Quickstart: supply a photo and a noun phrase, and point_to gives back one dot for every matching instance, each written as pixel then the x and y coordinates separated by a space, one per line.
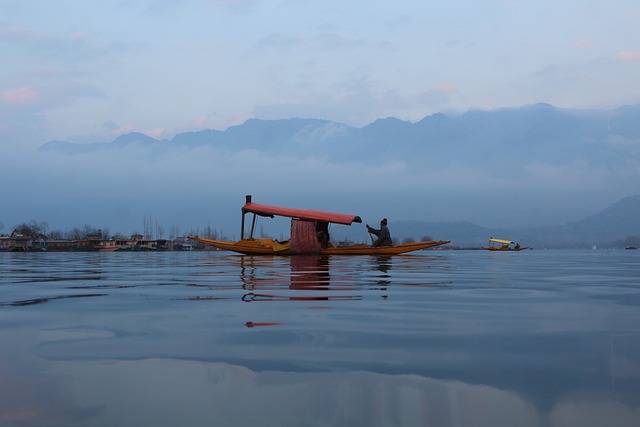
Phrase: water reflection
pixel 310 272
pixel 34 301
pixel 309 276
pixel 383 264
pixel 455 338
pixel 170 392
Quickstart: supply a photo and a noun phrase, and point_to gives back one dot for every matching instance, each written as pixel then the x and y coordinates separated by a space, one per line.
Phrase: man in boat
pixel 384 236
pixel 322 230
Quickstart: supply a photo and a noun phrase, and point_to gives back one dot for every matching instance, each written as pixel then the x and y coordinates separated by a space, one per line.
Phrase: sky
pixel 77 70
pixel 90 71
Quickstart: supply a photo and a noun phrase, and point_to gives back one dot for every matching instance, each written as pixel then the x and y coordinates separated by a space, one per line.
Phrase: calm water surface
pixel 440 338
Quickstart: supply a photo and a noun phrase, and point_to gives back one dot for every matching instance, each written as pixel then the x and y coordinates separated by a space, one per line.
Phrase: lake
pixel 436 338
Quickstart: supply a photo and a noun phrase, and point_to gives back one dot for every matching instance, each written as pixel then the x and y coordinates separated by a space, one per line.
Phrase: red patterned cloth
pixel 304 239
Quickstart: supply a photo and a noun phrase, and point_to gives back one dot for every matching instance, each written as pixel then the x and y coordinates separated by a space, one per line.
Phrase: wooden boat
pixel 273 247
pixel 309 235
pixel 503 245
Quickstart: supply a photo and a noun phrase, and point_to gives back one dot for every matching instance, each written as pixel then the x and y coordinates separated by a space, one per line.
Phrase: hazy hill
pixel 620 220
pixel 508 168
pixel 613 224
pixel 505 137
pixel 504 141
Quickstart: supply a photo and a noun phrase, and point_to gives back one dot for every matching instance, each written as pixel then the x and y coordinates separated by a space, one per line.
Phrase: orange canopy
pixel 307 214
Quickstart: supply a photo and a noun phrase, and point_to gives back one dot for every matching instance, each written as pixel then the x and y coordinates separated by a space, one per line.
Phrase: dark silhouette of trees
pixel 32 229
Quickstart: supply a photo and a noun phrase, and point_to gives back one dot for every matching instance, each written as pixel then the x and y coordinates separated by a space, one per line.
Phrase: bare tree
pixel 159 231
pixel 210 232
pixel 146 223
pixel 32 229
pixel 81 233
pixel 56 235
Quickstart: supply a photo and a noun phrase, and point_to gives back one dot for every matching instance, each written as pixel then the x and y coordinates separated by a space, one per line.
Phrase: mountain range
pixel 616 226
pixel 514 170
pixel 504 139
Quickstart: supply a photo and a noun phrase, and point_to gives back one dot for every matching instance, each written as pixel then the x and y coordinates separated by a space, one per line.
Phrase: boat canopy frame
pixel 293 213
pixel 504 242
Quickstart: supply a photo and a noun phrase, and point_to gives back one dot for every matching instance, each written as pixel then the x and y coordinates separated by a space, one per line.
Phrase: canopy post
pixel 242 227
pixel 247 199
pixel 253 225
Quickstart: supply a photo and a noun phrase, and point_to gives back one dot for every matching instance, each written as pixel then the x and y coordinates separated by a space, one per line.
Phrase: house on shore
pixel 15 242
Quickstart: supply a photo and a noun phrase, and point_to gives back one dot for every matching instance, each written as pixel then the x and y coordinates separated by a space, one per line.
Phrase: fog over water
pixel 186 187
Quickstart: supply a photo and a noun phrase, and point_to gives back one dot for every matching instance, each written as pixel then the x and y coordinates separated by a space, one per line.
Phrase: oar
pixel 370 234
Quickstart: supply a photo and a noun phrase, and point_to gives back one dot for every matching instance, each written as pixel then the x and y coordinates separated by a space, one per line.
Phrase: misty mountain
pixel 507 169
pixel 128 140
pixel 613 224
pixel 505 139
pixel 540 127
pixel 618 221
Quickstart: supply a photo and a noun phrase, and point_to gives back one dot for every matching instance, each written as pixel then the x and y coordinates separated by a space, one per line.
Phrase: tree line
pixel 151 231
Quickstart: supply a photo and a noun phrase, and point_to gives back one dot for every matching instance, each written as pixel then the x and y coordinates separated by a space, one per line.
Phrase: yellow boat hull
pixel 272 247
pixel 501 249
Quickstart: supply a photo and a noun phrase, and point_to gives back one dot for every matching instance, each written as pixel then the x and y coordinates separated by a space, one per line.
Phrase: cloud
pixel 323 41
pixel 110 126
pixel 436 96
pixel 75 44
pixel 14 32
pixel 123 129
pixel 583 44
pixel 24 110
pixel 578 175
pixel 231 2
pixel 154 133
pixel 357 103
pixel 46 73
pixel 628 56
pixel 20 96
pixel 277 41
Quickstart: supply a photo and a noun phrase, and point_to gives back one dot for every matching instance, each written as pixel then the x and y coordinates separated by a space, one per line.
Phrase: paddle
pixel 367 225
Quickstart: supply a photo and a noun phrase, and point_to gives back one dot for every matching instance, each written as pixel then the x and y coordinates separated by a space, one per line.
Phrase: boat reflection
pixel 307 273
pixel 383 264
pixel 310 272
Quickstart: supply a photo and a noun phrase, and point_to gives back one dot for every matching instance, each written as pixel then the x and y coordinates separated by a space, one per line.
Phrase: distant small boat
pixel 630 247
pixel 503 245
pixel 309 235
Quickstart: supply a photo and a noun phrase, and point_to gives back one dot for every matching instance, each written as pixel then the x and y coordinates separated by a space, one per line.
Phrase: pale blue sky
pixel 90 70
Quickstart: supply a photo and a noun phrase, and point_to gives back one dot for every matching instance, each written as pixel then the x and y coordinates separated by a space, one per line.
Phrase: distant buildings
pixel 16 242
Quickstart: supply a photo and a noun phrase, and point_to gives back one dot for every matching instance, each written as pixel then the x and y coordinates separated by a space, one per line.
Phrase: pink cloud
pixel 16 31
pixel 20 96
pixel 123 129
pixel 231 2
pixel 629 56
pixel 583 44
pixel 154 133
pixel 78 35
pixel 446 88
pixel 199 122
pixel 236 120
